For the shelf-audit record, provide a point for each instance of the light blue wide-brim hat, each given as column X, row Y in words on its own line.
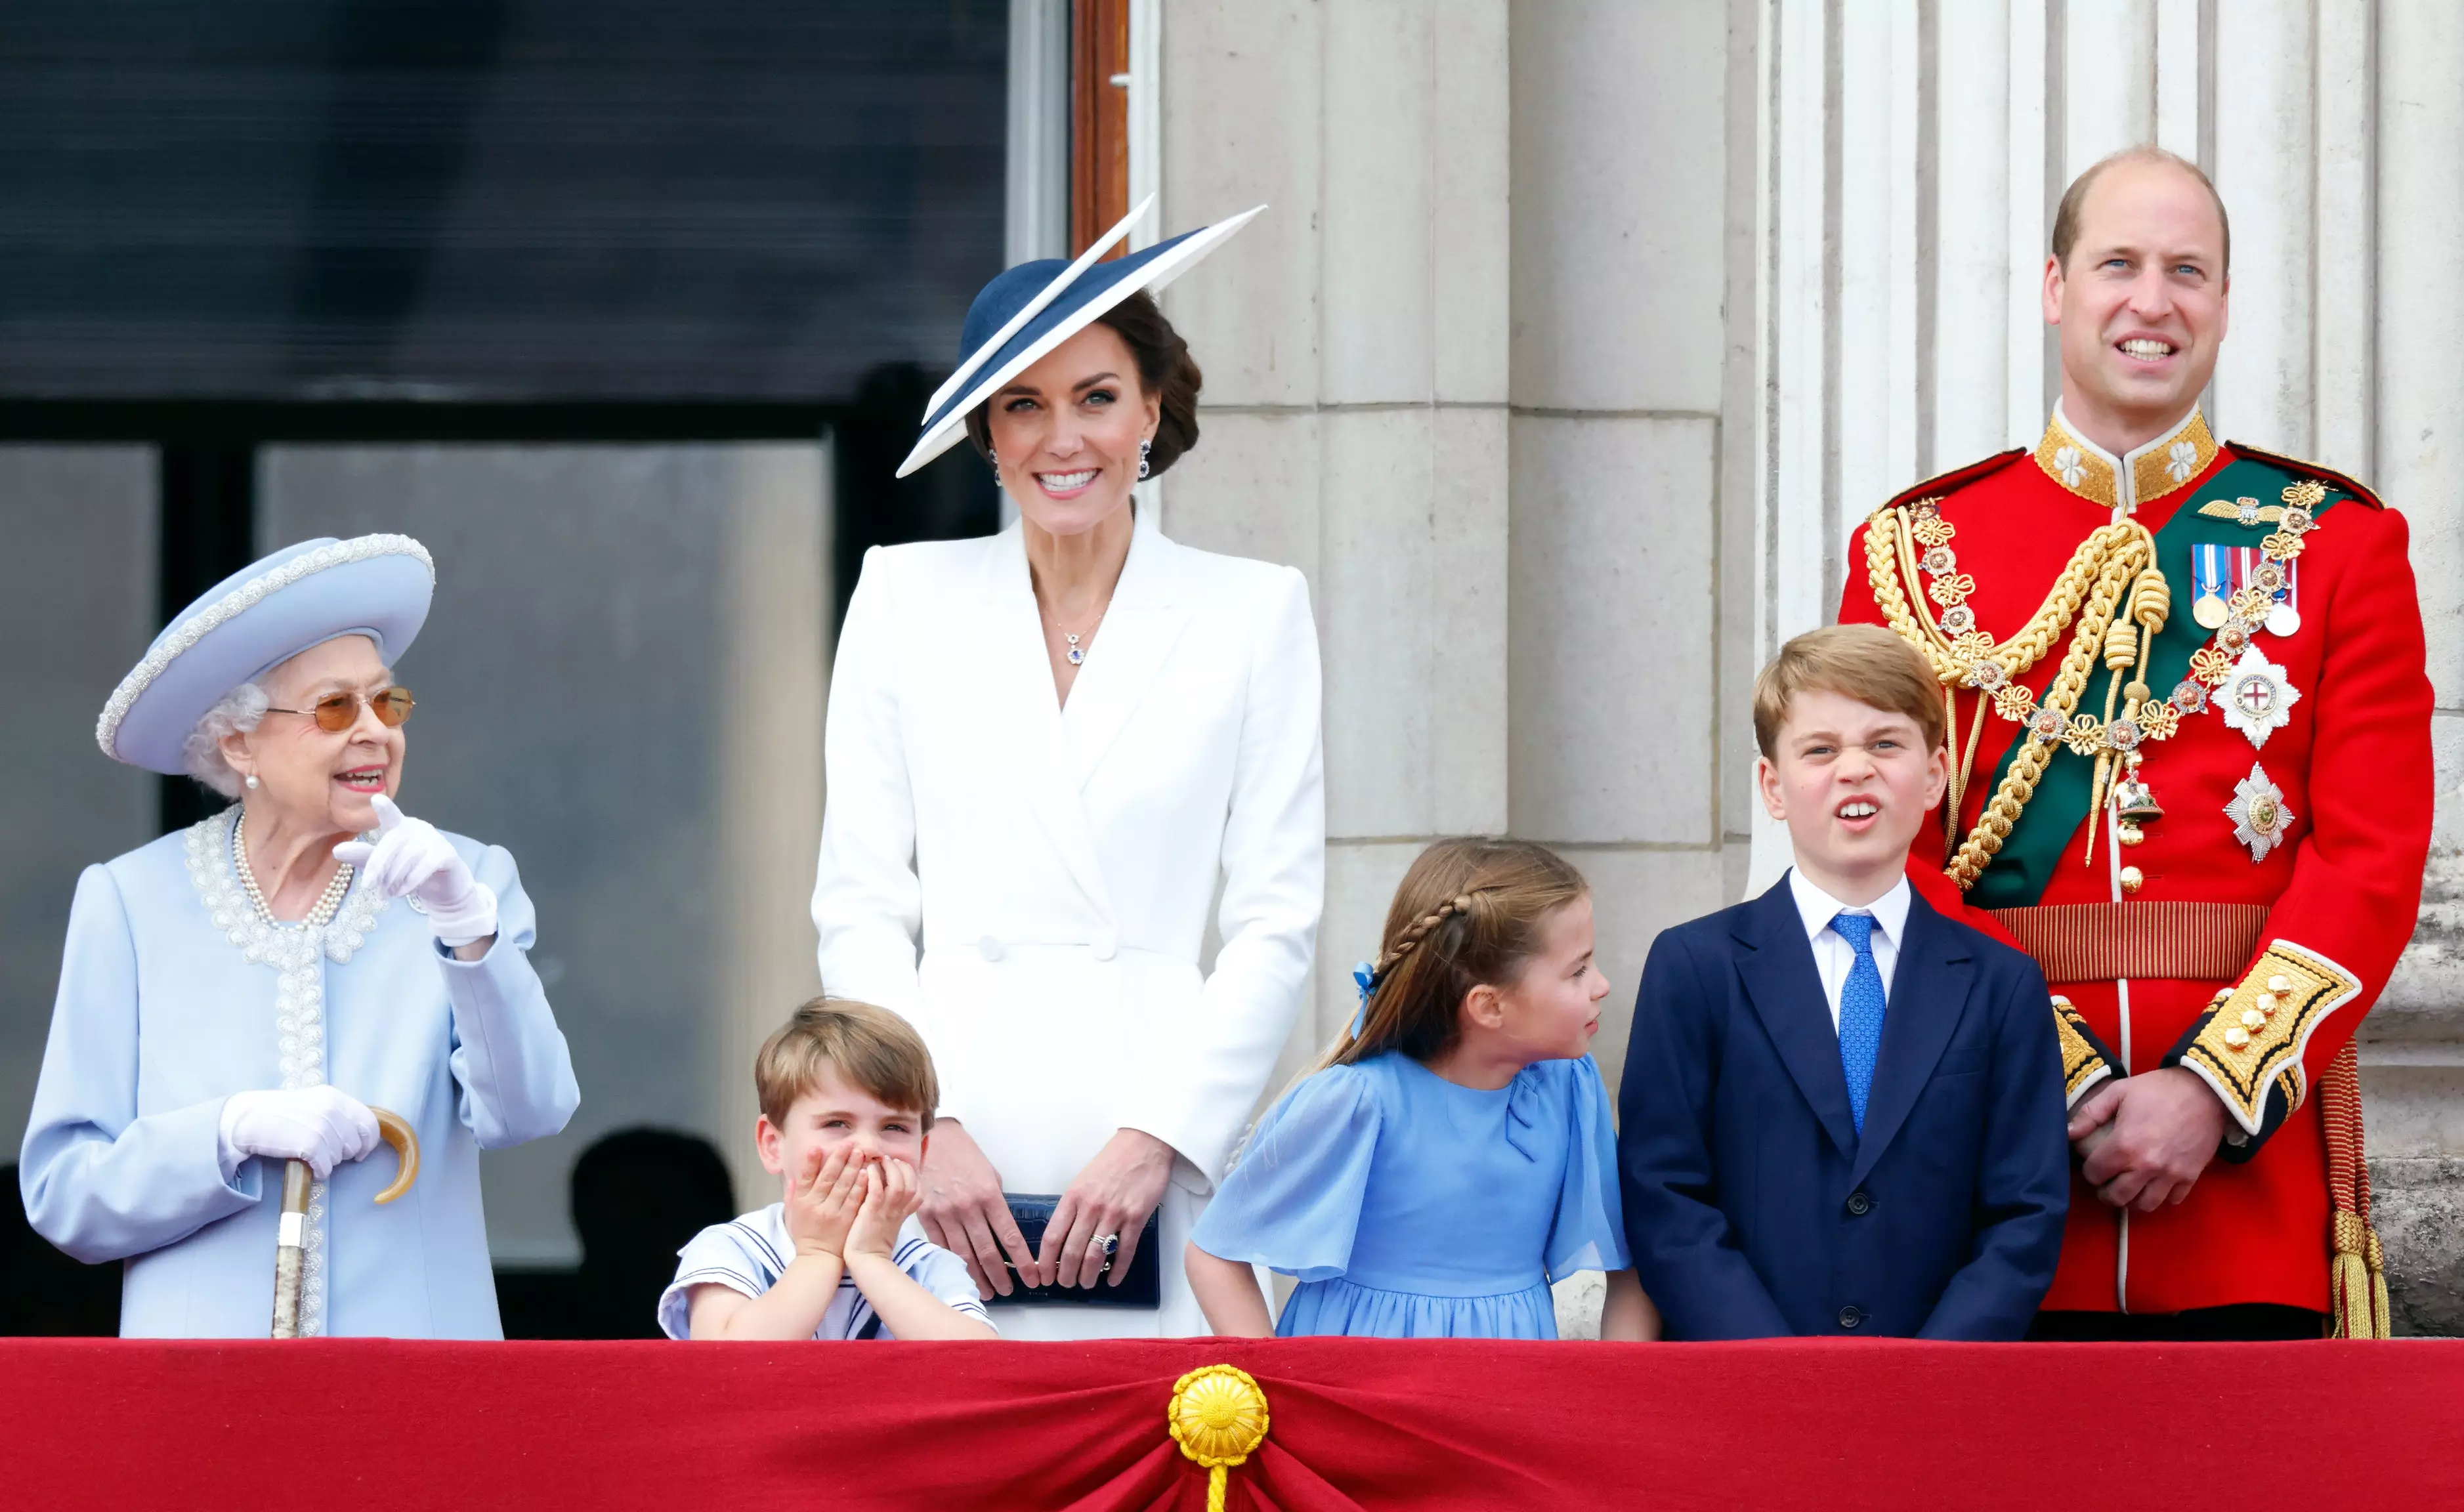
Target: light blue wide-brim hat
column 254, row 621
column 1034, row 307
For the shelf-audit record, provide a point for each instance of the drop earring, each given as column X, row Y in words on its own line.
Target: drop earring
column 992, row 459
column 1144, row 469
column 251, row 783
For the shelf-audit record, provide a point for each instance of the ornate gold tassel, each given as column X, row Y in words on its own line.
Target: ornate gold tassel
column 2357, row 1274
column 2383, row 1320
column 2355, row 1314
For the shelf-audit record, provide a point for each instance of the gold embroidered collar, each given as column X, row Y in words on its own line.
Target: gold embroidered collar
column 2162, row 466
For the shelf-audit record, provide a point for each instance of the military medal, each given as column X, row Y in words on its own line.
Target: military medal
column 2253, row 568
column 2207, row 588
column 2258, row 814
column 2258, row 697
column 2283, row 578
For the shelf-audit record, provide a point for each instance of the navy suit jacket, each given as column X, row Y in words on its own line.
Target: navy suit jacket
column 1751, row 1205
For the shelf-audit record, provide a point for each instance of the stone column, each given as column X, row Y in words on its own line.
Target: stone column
column 2412, row 1056
column 1354, row 420
column 1628, row 592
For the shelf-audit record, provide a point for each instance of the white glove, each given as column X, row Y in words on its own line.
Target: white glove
column 316, row 1124
column 410, row 859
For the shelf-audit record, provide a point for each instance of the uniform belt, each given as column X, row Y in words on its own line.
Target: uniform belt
column 2102, row 942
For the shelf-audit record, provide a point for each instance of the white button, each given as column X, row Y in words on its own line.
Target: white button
column 1105, row 944
column 990, row 948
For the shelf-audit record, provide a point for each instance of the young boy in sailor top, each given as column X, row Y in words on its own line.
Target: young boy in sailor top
column 848, row 1093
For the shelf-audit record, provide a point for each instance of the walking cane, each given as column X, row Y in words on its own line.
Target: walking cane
column 290, row 1252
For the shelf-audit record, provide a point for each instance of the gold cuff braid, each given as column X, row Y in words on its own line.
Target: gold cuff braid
column 2083, row 1064
column 2255, row 1035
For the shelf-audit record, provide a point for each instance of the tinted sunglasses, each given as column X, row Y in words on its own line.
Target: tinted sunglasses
column 338, row 711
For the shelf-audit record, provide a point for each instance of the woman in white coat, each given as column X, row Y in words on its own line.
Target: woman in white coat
column 1047, row 750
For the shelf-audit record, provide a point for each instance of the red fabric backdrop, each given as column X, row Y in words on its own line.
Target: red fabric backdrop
column 1834, row 1427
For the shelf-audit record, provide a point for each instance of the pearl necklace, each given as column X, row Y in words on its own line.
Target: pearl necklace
column 328, row 904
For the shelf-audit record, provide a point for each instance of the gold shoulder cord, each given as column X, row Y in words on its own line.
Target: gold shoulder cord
column 2113, row 570
column 2115, row 558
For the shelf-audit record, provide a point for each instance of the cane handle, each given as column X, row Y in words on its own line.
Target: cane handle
column 395, row 1130
column 295, row 1177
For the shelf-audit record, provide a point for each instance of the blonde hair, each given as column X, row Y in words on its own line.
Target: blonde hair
column 1862, row 662
column 2066, row 217
column 1469, row 912
column 871, row 1048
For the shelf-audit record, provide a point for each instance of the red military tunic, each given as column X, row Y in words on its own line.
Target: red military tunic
column 2335, row 806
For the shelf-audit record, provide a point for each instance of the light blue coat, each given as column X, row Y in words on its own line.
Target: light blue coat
column 162, row 1014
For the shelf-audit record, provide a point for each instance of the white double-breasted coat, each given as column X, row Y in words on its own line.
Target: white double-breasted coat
column 1029, row 882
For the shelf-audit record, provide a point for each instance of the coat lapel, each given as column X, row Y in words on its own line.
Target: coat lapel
column 1018, row 694
column 1777, row 969
column 1930, row 990
column 1130, row 646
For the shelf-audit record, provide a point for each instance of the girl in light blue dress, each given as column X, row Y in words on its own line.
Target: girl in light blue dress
column 1452, row 1154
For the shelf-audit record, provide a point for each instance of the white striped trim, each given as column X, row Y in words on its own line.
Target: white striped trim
column 1093, row 254
column 247, row 596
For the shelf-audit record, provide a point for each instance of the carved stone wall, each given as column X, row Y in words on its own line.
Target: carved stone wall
column 1582, row 332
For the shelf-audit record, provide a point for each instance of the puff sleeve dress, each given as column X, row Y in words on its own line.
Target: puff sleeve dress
column 1408, row 1207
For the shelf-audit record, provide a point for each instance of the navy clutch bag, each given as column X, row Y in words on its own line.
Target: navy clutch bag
column 1141, row 1287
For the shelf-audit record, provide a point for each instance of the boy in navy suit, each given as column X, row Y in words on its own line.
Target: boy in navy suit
column 1842, row 1112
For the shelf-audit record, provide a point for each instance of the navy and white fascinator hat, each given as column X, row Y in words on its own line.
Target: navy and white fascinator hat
column 1034, row 307
column 255, row 620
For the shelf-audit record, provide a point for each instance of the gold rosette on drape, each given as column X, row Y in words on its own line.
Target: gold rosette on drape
column 1219, row 1418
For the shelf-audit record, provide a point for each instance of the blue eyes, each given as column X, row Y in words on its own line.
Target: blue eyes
column 2186, row 270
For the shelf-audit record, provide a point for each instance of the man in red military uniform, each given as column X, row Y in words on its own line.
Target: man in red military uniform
column 2192, row 777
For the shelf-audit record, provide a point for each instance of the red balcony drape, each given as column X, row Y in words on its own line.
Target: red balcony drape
column 362, row 1424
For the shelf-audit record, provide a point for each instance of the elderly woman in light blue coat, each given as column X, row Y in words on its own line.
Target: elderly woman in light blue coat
column 241, row 993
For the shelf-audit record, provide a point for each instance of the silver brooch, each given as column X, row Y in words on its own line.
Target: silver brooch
column 2260, row 815
column 2258, row 697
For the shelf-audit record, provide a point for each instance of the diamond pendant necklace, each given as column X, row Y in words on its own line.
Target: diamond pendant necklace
column 1077, row 653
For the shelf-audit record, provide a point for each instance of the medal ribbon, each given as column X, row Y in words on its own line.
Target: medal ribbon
column 2208, row 577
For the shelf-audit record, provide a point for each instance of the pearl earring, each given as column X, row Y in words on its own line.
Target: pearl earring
column 252, row 783
column 992, row 459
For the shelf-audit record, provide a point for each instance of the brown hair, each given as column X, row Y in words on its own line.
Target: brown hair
column 1165, row 370
column 1468, row 914
column 871, row 1048
column 2066, row 218
column 1863, row 662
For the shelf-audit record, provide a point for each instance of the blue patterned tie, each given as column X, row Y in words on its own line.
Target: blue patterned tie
column 1861, row 1012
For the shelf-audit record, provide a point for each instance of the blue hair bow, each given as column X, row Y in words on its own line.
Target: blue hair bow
column 1364, row 975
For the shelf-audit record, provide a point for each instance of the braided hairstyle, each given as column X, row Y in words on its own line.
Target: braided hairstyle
column 1470, row 913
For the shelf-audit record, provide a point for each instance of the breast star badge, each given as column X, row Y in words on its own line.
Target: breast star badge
column 2258, row 697
column 2260, row 818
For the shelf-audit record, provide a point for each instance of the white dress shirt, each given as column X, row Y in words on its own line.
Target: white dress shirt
column 1832, row 954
